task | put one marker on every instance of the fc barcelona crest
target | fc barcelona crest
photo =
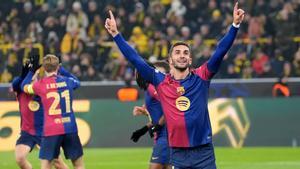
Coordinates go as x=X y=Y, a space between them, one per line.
x=180 y=90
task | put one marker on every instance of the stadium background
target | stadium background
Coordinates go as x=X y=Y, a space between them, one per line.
x=243 y=111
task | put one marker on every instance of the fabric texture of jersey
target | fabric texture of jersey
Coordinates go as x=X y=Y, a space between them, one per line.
x=31 y=110
x=56 y=93
x=154 y=108
x=184 y=102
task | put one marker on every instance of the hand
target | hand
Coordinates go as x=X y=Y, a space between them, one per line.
x=34 y=62
x=138 y=133
x=137 y=111
x=111 y=25
x=154 y=129
x=238 y=14
x=25 y=69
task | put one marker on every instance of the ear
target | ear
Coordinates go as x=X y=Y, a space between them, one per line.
x=190 y=60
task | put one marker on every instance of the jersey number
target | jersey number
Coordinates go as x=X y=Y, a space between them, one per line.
x=53 y=108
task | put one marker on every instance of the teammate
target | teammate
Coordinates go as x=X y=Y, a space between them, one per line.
x=184 y=95
x=59 y=129
x=160 y=158
x=31 y=113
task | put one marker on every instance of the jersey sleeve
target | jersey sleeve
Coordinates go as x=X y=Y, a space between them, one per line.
x=74 y=83
x=147 y=72
x=152 y=92
x=204 y=72
x=223 y=46
x=16 y=84
x=37 y=87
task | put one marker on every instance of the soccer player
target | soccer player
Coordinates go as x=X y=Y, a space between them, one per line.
x=59 y=129
x=31 y=113
x=184 y=95
x=160 y=158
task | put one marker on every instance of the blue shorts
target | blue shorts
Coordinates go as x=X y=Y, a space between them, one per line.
x=28 y=139
x=161 y=152
x=70 y=143
x=201 y=157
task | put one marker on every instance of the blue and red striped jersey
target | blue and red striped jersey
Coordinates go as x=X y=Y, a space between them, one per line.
x=31 y=110
x=56 y=94
x=184 y=102
x=154 y=108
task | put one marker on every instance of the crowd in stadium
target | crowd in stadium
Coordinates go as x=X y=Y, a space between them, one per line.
x=267 y=43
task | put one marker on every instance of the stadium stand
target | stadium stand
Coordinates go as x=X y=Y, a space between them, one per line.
x=267 y=44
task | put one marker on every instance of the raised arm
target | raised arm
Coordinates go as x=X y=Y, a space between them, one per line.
x=142 y=67
x=26 y=85
x=226 y=42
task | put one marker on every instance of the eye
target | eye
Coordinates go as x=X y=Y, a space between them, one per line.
x=186 y=52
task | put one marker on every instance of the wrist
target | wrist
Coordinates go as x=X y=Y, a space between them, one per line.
x=114 y=34
x=236 y=25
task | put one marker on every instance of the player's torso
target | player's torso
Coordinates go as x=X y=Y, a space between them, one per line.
x=185 y=106
x=57 y=101
x=31 y=112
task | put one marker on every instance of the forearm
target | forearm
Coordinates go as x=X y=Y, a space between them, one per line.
x=161 y=120
x=27 y=80
x=223 y=46
x=16 y=83
x=142 y=67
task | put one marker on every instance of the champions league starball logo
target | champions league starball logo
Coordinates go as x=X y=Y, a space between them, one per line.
x=229 y=116
x=33 y=106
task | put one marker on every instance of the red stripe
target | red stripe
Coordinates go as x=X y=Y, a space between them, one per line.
x=50 y=126
x=152 y=91
x=203 y=72
x=27 y=116
x=175 y=120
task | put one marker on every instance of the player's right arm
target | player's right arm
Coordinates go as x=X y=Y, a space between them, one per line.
x=142 y=67
x=74 y=81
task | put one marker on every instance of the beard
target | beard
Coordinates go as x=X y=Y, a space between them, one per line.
x=180 y=68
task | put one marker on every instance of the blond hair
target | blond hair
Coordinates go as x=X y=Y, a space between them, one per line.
x=50 y=63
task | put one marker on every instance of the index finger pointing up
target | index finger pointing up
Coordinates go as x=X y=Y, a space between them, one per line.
x=236 y=6
x=111 y=15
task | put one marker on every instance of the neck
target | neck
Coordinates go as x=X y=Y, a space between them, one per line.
x=179 y=75
x=50 y=74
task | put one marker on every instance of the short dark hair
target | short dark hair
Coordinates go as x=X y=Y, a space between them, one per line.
x=141 y=82
x=162 y=63
x=178 y=44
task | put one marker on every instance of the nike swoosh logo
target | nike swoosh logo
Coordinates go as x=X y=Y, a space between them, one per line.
x=154 y=158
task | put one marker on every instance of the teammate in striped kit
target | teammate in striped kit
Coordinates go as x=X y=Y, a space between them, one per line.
x=59 y=129
x=31 y=112
x=184 y=95
x=160 y=158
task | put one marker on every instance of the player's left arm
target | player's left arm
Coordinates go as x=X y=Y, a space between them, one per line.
x=74 y=81
x=26 y=85
x=226 y=42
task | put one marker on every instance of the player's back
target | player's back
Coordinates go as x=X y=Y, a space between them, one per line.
x=31 y=112
x=56 y=93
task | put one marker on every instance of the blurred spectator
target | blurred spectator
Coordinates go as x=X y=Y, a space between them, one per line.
x=77 y=21
x=280 y=88
x=296 y=63
x=74 y=29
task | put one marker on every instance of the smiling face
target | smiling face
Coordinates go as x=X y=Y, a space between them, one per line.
x=180 y=57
